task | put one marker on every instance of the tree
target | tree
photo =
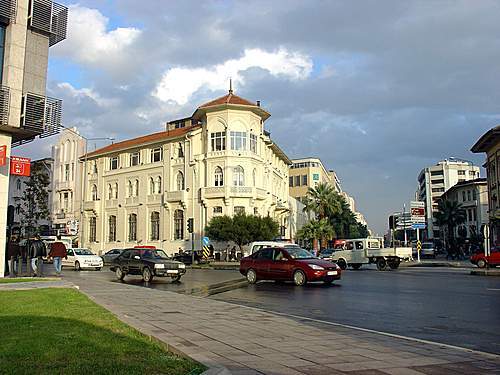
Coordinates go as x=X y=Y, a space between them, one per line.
x=449 y=215
x=316 y=230
x=35 y=199
x=323 y=200
x=242 y=229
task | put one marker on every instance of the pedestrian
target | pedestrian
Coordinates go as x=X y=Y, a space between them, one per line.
x=180 y=250
x=57 y=252
x=13 y=255
x=38 y=250
x=233 y=254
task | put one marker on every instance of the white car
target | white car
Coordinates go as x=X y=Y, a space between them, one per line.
x=82 y=258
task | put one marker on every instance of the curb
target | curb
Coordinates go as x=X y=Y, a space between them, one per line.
x=435 y=265
x=208 y=290
x=485 y=272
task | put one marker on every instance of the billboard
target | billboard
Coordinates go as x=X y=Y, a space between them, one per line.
x=20 y=166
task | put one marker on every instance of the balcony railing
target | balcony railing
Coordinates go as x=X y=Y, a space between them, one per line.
x=49 y=18
x=4 y=105
x=8 y=9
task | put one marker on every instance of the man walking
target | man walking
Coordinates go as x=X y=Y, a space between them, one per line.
x=57 y=252
x=37 y=251
x=13 y=254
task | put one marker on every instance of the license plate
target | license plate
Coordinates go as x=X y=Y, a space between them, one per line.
x=331 y=273
x=95 y=264
x=173 y=271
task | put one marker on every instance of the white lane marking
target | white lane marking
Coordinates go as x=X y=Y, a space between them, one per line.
x=422 y=341
x=493 y=289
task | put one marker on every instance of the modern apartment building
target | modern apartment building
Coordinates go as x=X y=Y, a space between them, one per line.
x=218 y=161
x=473 y=197
x=27 y=29
x=67 y=182
x=309 y=172
x=433 y=181
x=490 y=144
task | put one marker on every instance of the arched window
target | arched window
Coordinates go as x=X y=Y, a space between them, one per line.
x=94 y=192
x=115 y=191
x=180 y=181
x=254 y=177
x=132 y=227
x=110 y=192
x=136 y=188
x=112 y=229
x=158 y=185
x=218 y=177
x=178 y=225
x=155 y=226
x=93 y=229
x=238 y=176
x=151 y=186
x=18 y=184
x=130 y=189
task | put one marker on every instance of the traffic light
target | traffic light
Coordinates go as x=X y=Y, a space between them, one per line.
x=393 y=221
x=190 y=225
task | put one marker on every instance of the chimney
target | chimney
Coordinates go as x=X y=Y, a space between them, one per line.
x=258 y=103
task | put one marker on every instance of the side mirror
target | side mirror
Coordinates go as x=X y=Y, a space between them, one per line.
x=137 y=257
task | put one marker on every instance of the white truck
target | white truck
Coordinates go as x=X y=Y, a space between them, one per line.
x=356 y=252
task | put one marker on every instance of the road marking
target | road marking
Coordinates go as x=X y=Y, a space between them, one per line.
x=422 y=341
x=493 y=289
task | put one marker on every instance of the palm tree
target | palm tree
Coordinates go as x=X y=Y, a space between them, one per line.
x=322 y=200
x=449 y=215
x=316 y=230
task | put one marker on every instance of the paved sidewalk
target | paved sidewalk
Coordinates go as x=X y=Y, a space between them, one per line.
x=240 y=340
x=56 y=283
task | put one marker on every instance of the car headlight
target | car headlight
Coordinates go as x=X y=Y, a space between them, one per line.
x=316 y=267
x=159 y=266
x=182 y=265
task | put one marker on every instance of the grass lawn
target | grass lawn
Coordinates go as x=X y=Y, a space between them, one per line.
x=24 y=280
x=61 y=331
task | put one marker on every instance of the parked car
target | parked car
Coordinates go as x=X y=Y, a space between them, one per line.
x=82 y=258
x=186 y=257
x=108 y=257
x=428 y=250
x=257 y=245
x=288 y=263
x=148 y=263
x=326 y=254
x=492 y=260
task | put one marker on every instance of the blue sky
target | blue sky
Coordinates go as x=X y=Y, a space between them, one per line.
x=376 y=89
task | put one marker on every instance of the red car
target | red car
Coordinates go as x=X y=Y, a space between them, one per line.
x=288 y=263
x=482 y=260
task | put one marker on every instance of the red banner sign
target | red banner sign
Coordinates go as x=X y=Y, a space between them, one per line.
x=3 y=155
x=20 y=166
x=417 y=211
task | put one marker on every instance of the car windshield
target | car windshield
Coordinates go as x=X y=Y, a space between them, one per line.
x=427 y=246
x=326 y=252
x=298 y=253
x=83 y=252
x=154 y=254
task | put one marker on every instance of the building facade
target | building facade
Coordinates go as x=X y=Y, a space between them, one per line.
x=489 y=143
x=67 y=182
x=473 y=197
x=218 y=161
x=27 y=29
x=308 y=173
x=433 y=181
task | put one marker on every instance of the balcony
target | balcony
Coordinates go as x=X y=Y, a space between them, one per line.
x=63 y=185
x=176 y=196
x=234 y=191
x=111 y=203
x=4 y=105
x=91 y=206
x=241 y=191
x=132 y=201
x=155 y=199
x=8 y=10
x=49 y=18
x=214 y=192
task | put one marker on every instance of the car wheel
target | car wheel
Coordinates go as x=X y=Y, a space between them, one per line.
x=394 y=264
x=98 y=269
x=146 y=275
x=299 y=278
x=251 y=276
x=381 y=264
x=77 y=266
x=119 y=273
x=342 y=264
x=328 y=282
x=356 y=266
x=481 y=263
x=176 y=278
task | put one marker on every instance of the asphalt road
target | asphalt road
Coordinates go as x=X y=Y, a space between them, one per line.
x=441 y=305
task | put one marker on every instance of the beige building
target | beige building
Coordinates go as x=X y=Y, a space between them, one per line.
x=27 y=30
x=490 y=144
x=308 y=173
x=218 y=161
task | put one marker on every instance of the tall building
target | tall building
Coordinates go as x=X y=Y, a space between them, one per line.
x=27 y=29
x=490 y=144
x=308 y=173
x=433 y=181
x=218 y=161
x=67 y=182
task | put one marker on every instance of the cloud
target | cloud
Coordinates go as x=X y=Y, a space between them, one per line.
x=86 y=93
x=178 y=84
x=89 y=41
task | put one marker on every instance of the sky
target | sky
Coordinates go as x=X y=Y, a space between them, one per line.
x=376 y=89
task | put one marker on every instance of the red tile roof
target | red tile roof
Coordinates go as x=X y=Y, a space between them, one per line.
x=150 y=138
x=228 y=99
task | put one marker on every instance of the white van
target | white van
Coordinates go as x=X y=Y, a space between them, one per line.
x=257 y=245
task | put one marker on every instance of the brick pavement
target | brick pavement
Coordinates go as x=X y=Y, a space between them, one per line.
x=242 y=340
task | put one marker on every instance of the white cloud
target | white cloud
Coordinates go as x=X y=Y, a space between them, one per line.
x=178 y=84
x=88 y=39
x=85 y=92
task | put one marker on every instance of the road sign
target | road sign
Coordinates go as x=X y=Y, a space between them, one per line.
x=206 y=252
x=20 y=166
x=418 y=226
x=417 y=210
x=419 y=245
x=206 y=241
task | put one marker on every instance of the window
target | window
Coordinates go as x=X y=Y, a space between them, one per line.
x=290 y=181
x=468 y=195
x=179 y=124
x=255 y=211
x=180 y=181
x=461 y=173
x=66 y=200
x=112 y=228
x=437 y=173
x=238 y=210
x=94 y=192
x=18 y=184
x=463 y=196
x=217 y=210
x=110 y=192
x=218 y=141
x=178 y=225
x=469 y=212
x=438 y=190
x=113 y=163
x=134 y=158
x=472 y=173
x=438 y=181
x=218 y=177
x=130 y=189
x=474 y=217
x=158 y=185
x=297 y=181
x=67 y=172
x=238 y=140
x=156 y=155
x=151 y=185
x=474 y=194
x=132 y=227
x=92 y=229
x=180 y=151
x=94 y=167
x=304 y=180
x=254 y=177
x=155 y=226
x=253 y=143
x=136 y=188
x=238 y=176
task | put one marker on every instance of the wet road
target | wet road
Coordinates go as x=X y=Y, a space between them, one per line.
x=443 y=305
